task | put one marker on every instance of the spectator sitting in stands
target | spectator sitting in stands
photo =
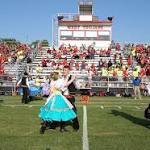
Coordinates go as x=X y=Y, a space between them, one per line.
x=29 y=60
x=109 y=63
x=38 y=81
x=83 y=65
x=44 y=63
x=39 y=69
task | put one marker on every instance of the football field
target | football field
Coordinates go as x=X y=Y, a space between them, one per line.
x=106 y=123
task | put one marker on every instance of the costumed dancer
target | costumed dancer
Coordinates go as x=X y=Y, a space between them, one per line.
x=69 y=92
x=147 y=112
x=57 y=107
x=24 y=84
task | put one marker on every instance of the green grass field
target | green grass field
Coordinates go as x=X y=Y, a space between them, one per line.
x=113 y=124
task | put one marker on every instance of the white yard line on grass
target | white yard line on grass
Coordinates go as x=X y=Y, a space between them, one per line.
x=10 y=105
x=85 y=131
x=137 y=107
x=24 y=105
x=123 y=102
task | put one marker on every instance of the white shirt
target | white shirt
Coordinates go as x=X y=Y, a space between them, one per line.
x=65 y=90
x=57 y=84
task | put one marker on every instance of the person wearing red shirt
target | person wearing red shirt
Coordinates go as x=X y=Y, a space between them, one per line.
x=93 y=67
x=44 y=63
x=129 y=60
x=65 y=62
x=58 y=56
x=118 y=47
x=76 y=50
x=49 y=51
x=148 y=70
x=143 y=72
x=125 y=74
x=1 y=70
x=143 y=61
x=114 y=73
x=77 y=66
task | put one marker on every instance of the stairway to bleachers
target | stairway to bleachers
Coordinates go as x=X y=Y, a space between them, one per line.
x=38 y=61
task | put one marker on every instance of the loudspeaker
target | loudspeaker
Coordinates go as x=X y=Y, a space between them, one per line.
x=110 y=18
x=60 y=17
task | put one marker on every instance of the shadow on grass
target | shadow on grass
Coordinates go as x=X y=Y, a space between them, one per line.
x=1 y=100
x=142 y=122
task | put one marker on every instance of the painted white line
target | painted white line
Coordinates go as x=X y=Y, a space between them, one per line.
x=102 y=103
x=137 y=107
x=85 y=131
x=30 y=106
x=102 y=107
x=10 y=105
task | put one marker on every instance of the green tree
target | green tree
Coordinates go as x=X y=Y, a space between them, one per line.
x=45 y=43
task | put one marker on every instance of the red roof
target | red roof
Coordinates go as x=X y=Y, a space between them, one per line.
x=94 y=22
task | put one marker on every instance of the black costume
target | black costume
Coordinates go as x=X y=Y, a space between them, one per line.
x=25 y=87
x=147 y=112
x=72 y=90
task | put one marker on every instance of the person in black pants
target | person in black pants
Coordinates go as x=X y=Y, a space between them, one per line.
x=24 y=84
x=75 y=122
x=69 y=92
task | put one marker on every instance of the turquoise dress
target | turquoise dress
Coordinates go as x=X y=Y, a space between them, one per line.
x=57 y=108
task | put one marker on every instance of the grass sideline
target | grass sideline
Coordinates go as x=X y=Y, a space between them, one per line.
x=113 y=124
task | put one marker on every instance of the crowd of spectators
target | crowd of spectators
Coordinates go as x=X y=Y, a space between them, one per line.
x=78 y=57
x=140 y=54
x=12 y=52
x=133 y=61
x=119 y=63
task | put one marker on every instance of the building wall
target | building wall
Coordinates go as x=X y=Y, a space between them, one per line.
x=87 y=34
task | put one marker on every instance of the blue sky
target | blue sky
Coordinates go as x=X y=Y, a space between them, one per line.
x=29 y=20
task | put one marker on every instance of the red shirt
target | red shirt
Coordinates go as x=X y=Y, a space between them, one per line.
x=143 y=72
x=125 y=73
x=129 y=60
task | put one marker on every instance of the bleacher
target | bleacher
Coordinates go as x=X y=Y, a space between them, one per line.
x=13 y=73
x=106 y=83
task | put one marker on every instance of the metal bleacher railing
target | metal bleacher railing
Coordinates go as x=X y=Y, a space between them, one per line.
x=12 y=73
x=8 y=83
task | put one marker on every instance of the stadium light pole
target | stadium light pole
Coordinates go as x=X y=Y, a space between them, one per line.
x=52 y=29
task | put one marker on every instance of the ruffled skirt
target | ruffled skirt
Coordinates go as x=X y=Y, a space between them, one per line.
x=57 y=108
